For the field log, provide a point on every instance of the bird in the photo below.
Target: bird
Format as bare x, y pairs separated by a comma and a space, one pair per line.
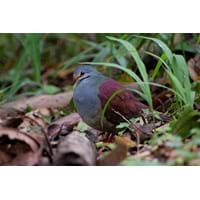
92, 90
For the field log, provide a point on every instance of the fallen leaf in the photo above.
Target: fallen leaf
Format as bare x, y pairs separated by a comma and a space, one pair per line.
33, 122
14, 145
63, 125
194, 67
118, 154
125, 140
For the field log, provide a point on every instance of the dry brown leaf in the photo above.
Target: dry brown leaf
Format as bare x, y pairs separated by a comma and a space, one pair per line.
14, 145
63, 125
118, 154
194, 68
125, 140
34, 121
28, 159
142, 132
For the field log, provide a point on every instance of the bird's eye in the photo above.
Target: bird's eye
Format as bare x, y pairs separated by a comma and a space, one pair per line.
82, 73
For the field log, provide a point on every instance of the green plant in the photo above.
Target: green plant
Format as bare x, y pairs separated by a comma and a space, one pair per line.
186, 121
31, 44
30, 53
177, 70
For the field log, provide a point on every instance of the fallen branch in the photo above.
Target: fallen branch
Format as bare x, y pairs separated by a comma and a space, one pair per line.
42, 101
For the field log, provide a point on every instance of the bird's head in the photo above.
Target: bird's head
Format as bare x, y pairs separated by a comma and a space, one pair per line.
83, 72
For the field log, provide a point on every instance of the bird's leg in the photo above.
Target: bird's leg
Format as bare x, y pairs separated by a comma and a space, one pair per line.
101, 150
143, 119
102, 135
107, 137
110, 137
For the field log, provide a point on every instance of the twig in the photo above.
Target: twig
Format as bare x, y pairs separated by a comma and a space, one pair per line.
131, 124
44, 132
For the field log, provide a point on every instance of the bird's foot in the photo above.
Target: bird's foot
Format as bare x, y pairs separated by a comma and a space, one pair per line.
108, 137
101, 150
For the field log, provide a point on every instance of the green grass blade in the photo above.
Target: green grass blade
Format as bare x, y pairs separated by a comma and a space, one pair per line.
181, 70
182, 92
158, 65
177, 86
183, 75
18, 73
78, 58
107, 104
32, 47
132, 50
161, 44
128, 71
166, 66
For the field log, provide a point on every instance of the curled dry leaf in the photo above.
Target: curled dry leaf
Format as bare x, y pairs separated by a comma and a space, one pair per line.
194, 67
28, 159
42, 101
118, 154
34, 121
160, 99
12, 122
75, 149
144, 131
17, 148
63, 125
125, 141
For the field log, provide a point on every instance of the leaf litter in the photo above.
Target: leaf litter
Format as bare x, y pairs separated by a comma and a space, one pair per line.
34, 131
38, 138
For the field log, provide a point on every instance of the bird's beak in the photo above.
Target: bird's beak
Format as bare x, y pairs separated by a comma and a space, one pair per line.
76, 78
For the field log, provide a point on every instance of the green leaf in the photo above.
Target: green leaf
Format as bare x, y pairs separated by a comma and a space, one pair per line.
138, 162
18, 71
184, 46
122, 125
32, 47
162, 45
82, 126
188, 119
182, 89
158, 65
132, 50
50, 89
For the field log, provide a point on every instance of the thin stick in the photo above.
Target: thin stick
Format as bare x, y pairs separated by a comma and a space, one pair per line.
44, 132
135, 127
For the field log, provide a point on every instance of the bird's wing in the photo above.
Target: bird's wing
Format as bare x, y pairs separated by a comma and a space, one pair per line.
124, 104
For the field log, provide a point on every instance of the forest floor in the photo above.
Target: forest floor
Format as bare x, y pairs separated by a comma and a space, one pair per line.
40, 126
